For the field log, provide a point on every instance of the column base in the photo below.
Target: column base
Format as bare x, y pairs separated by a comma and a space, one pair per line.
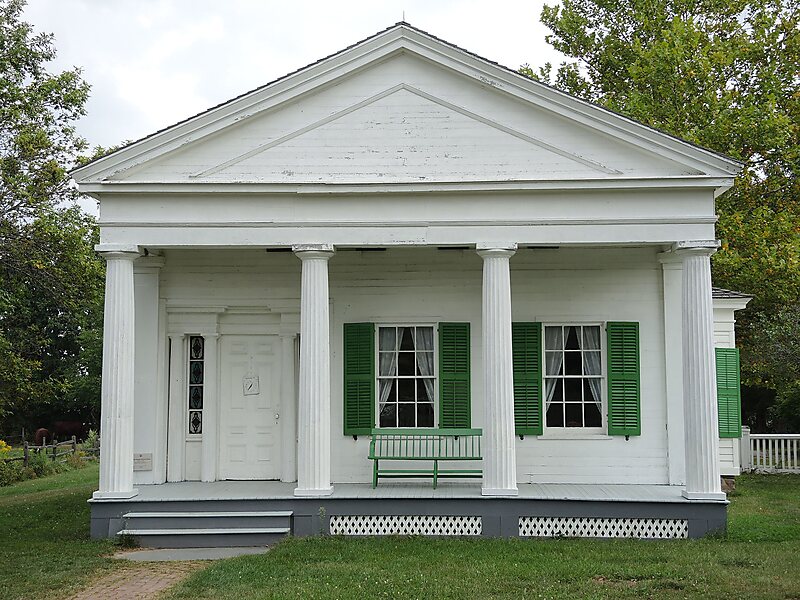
705, 496
98, 495
313, 493
499, 492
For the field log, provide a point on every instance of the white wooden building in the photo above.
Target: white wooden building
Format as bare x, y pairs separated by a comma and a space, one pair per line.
484, 250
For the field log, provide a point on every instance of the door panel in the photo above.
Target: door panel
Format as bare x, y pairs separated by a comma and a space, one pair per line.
250, 390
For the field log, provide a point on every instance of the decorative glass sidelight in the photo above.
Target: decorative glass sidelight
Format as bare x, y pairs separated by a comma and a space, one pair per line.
195, 386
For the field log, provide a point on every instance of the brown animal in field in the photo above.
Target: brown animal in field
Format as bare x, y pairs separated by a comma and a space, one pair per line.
64, 430
41, 436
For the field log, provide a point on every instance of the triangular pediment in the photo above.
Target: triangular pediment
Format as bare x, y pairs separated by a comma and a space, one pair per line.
395, 113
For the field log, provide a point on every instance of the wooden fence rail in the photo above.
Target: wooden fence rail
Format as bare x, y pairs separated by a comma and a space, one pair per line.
55, 451
771, 452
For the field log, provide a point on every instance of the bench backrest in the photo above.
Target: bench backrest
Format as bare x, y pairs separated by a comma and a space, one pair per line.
463, 444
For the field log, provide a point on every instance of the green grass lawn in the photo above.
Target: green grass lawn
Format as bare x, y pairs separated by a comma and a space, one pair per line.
45, 550
759, 558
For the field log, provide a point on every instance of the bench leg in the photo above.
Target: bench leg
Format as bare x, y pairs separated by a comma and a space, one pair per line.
375, 474
435, 473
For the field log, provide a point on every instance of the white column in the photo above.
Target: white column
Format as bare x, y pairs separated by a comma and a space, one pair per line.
210, 450
176, 429
288, 409
116, 410
672, 267
499, 452
699, 372
314, 410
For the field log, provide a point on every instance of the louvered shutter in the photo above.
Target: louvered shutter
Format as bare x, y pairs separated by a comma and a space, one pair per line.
623, 378
359, 378
454, 375
729, 399
526, 342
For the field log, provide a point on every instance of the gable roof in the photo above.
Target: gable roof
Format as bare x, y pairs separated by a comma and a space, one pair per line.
402, 37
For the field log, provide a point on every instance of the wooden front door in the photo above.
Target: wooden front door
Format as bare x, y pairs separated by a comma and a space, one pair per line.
249, 407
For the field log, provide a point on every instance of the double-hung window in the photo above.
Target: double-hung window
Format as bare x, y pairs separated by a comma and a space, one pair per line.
573, 376
406, 376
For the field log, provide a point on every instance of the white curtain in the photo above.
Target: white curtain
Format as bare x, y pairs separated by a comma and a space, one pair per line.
553, 340
425, 357
388, 360
591, 335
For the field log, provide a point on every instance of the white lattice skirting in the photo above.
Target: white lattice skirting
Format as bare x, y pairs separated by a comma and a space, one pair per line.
404, 525
603, 527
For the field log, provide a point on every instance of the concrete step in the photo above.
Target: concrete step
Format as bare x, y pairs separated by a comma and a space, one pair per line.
206, 529
206, 519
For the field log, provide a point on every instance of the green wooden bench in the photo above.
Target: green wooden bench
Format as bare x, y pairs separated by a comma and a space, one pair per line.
432, 445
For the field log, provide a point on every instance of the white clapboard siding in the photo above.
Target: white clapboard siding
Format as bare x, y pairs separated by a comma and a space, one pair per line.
394, 119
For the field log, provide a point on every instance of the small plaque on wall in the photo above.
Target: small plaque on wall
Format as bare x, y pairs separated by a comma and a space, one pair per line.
251, 386
142, 461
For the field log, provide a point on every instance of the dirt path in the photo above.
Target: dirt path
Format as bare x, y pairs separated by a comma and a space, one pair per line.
138, 581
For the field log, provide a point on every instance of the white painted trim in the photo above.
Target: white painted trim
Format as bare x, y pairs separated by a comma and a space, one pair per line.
162, 400
175, 438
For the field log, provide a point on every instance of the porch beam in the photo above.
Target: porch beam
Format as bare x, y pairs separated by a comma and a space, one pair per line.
118, 375
499, 450
314, 410
699, 372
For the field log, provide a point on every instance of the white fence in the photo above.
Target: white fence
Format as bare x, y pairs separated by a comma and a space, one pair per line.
773, 452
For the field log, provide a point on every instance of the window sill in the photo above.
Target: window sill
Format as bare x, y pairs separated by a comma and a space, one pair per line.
574, 436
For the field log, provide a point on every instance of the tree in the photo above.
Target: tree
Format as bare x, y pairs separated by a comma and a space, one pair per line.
50, 276
722, 74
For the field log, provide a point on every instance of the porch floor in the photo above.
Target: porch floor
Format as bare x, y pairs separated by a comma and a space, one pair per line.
277, 490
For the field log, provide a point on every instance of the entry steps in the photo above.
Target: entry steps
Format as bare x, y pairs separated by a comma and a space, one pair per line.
207, 529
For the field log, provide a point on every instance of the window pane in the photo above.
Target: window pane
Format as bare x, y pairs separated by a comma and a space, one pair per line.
572, 363
388, 416
425, 415
387, 338
553, 338
425, 338
387, 363
555, 415
196, 372
422, 390
591, 337
592, 390
407, 338
554, 363
196, 396
572, 338
554, 389
195, 421
574, 411
406, 415
196, 348
425, 363
405, 390
591, 363
572, 390
406, 363
592, 415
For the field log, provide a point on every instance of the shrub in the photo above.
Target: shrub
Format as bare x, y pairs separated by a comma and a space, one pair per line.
11, 472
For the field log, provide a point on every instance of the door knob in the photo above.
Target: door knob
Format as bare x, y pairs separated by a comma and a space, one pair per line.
277, 416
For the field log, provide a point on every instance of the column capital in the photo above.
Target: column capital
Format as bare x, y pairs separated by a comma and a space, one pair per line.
118, 251
495, 249
305, 251
695, 248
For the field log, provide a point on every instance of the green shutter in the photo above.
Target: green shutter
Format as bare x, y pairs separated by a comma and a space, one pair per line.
729, 400
359, 378
526, 343
623, 378
454, 376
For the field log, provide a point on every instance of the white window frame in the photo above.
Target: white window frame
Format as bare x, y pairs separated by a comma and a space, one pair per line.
435, 327
576, 432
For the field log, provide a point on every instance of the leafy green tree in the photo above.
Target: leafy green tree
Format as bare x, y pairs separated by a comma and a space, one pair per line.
50, 276
722, 74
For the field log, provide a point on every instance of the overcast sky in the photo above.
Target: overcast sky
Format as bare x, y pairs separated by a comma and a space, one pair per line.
152, 63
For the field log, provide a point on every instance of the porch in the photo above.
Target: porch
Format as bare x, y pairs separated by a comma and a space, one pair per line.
226, 512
